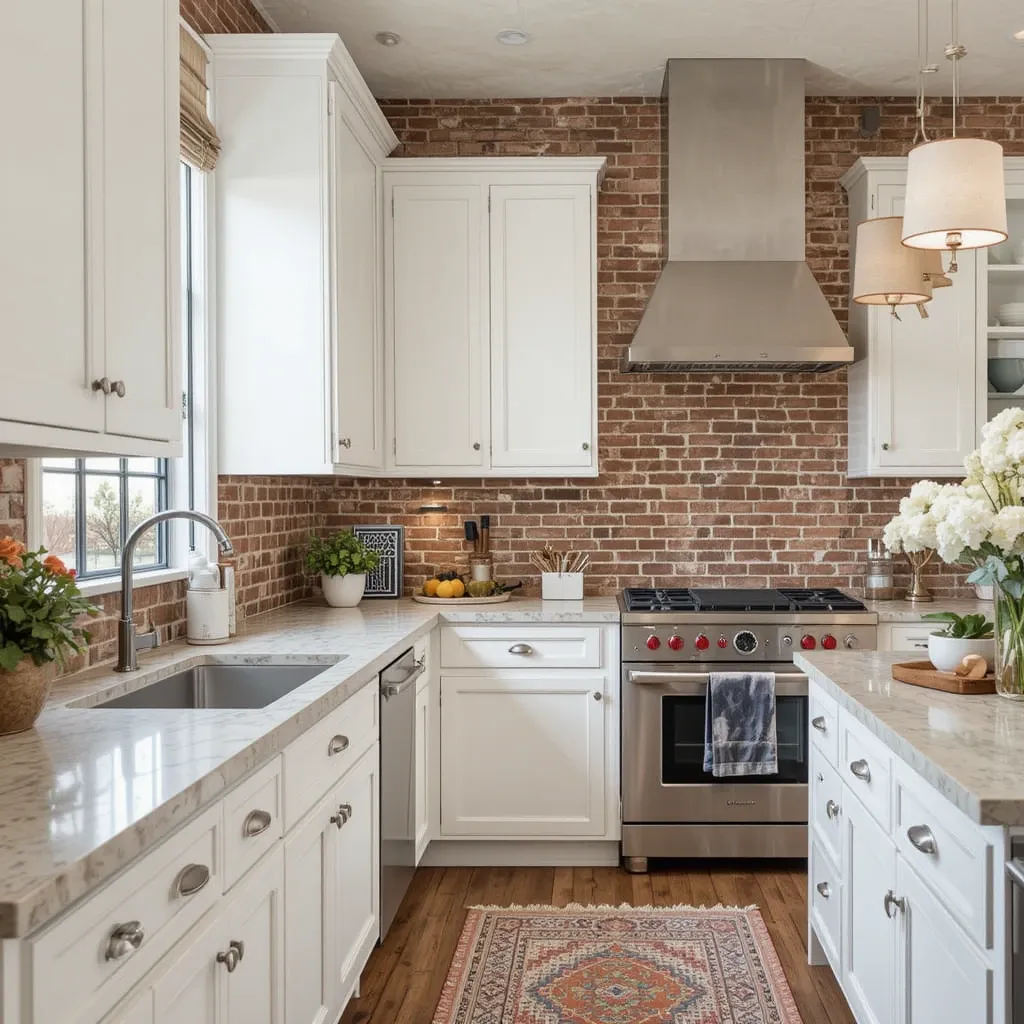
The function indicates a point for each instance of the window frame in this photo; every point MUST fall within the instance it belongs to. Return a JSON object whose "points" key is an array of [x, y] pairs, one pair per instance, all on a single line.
{"points": [[199, 357]]}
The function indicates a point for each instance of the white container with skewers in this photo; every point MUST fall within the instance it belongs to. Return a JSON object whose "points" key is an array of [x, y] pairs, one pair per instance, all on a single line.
{"points": [[561, 574]]}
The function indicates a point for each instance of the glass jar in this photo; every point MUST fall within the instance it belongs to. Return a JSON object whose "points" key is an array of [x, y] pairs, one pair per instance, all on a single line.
{"points": [[879, 576], [1008, 615]]}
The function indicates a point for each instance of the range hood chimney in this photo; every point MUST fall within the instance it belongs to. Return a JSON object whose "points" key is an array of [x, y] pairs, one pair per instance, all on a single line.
{"points": [[736, 293]]}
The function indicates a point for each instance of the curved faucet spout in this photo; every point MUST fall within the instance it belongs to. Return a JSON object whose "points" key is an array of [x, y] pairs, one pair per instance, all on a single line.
{"points": [[126, 645]]}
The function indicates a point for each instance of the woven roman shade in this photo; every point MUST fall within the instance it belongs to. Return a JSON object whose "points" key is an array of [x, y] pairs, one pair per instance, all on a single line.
{"points": [[199, 143]]}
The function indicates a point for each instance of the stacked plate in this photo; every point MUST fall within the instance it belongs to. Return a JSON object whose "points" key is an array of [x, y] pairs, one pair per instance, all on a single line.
{"points": [[1011, 314]]}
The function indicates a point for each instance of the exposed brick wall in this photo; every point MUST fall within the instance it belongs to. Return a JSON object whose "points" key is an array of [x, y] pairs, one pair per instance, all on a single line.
{"points": [[209, 16], [729, 478]]}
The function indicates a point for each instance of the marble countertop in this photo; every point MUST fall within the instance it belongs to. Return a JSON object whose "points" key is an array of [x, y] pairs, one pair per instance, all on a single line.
{"points": [[904, 611], [88, 790], [971, 749]]}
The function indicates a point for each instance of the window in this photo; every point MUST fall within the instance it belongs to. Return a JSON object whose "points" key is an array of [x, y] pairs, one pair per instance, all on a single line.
{"points": [[87, 507]]}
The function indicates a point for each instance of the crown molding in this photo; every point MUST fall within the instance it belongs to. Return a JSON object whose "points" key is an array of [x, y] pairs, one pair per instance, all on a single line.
{"points": [[579, 166]]}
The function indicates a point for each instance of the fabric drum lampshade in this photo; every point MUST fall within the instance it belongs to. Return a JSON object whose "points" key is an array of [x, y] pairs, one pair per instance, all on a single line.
{"points": [[956, 196], [886, 272]]}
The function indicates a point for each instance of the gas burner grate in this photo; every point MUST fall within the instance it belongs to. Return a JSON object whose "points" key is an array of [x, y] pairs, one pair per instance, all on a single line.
{"points": [[826, 599], [669, 599]]}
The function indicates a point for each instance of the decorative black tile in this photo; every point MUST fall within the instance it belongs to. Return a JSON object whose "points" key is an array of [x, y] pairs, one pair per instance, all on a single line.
{"points": [[389, 543]]}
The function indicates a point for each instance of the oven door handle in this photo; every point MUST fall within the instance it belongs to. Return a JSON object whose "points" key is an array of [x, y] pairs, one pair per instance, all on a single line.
{"points": [[787, 684]]}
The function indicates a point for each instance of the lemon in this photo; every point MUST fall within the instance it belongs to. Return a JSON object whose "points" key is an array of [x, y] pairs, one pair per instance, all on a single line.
{"points": [[430, 587], [458, 588], [444, 589]]}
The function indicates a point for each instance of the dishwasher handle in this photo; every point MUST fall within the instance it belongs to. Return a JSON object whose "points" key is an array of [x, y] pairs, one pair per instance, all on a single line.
{"points": [[1015, 871], [396, 687]]}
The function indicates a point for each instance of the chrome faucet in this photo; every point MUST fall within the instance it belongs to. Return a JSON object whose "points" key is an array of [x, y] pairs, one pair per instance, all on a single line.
{"points": [[128, 642]]}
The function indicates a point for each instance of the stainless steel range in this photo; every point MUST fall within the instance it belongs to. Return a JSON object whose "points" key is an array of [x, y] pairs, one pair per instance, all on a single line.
{"points": [[672, 639]]}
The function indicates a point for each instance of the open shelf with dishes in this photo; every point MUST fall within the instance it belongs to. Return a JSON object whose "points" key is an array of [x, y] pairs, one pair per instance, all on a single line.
{"points": [[1004, 310]]}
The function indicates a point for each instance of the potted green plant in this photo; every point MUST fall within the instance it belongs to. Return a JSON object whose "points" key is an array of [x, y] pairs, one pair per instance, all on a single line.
{"points": [[962, 635], [40, 608], [342, 561]]}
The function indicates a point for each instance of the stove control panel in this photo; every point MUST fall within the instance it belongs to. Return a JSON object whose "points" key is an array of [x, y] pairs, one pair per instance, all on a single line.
{"points": [[724, 641]]}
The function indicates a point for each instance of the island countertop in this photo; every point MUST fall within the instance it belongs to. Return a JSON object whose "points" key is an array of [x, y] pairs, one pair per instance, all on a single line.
{"points": [[88, 790], [971, 749]]}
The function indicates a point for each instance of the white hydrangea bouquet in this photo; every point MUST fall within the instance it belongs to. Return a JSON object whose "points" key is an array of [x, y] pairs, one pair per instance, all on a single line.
{"points": [[980, 522]]}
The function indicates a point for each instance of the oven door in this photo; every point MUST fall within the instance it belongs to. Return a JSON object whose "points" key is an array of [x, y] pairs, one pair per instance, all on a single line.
{"points": [[663, 777]]}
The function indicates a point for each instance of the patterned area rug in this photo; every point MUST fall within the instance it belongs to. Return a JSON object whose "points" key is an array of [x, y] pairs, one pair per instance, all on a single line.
{"points": [[608, 965]]}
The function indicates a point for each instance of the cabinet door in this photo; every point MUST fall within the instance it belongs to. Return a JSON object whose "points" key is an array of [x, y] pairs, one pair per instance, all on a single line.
{"points": [[255, 989], [542, 324], [138, 1011], [356, 870], [944, 977], [523, 754], [191, 991], [423, 781], [358, 363], [309, 917], [438, 324], [925, 388], [48, 348], [141, 253], [868, 945]]}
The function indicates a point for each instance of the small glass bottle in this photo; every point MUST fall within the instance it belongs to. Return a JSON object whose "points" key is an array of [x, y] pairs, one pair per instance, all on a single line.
{"points": [[879, 579]]}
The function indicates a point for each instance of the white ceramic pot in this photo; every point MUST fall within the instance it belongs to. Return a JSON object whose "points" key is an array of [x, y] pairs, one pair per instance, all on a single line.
{"points": [[343, 591], [946, 652]]}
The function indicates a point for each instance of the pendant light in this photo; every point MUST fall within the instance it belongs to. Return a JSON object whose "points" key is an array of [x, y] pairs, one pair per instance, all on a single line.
{"points": [[956, 197], [888, 273]]}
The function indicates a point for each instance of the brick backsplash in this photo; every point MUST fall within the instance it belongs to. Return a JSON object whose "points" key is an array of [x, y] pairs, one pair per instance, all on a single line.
{"points": [[727, 478]]}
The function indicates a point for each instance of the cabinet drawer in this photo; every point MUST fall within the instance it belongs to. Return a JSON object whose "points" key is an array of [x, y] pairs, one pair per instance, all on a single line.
{"points": [[823, 713], [827, 807], [826, 903], [521, 647], [865, 765], [950, 853], [910, 638], [71, 975], [319, 757], [252, 821]]}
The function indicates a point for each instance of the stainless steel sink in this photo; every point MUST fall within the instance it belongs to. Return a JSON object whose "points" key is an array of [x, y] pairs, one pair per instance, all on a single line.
{"points": [[219, 686]]}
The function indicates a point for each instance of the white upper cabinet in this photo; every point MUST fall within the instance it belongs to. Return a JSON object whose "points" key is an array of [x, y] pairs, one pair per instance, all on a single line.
{"points": [[438, 325], [490, 319], [916, 392], [298, 256], [542, 326], [89, 276]]}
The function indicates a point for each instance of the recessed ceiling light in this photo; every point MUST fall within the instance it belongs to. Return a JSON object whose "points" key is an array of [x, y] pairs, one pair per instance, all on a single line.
{"points": [[1019, 35], [513, 36], [388, 38]]}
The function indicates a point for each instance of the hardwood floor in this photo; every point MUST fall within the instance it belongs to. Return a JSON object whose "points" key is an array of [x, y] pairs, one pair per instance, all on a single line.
{"points": [[403, 980]]}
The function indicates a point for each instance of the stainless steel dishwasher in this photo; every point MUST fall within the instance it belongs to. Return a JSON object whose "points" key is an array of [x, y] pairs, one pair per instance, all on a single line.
{"points": [[1015, 872], [397, 779]]}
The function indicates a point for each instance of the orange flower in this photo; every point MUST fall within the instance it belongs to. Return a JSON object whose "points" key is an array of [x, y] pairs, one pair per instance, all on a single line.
{"points": [[11, 552], [56, 566]]}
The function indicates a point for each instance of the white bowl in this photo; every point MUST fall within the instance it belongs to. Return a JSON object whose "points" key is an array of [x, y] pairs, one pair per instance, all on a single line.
{"points": [[946, 652], [1011, 314], [1006, 375]]}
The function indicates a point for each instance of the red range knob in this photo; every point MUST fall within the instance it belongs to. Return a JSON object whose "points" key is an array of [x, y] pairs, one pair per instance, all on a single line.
{"points": [[828, 641], [722, 642], [675, 642], [808, 643], [653, 643], [702, 642]]}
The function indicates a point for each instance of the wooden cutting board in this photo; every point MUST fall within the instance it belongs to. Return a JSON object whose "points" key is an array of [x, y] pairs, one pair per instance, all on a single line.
{"points": [[924, 673]]}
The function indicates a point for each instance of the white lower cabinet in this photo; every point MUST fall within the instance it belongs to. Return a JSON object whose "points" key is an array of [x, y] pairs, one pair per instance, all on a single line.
{"points": [[906, 912], [423, 774], [869, 939], [523, 754], [946, 978]]}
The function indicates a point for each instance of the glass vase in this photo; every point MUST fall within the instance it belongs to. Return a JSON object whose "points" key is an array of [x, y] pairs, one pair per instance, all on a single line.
{"points": [[1009, 636]]}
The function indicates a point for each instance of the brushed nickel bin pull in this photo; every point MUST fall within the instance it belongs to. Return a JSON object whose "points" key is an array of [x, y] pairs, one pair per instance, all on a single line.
{"points": [[523, 649], [337, 745], [191, 879], [824, 889], [861, 770], [819, 723], [923, 838], [124, 939], [256, 823]]}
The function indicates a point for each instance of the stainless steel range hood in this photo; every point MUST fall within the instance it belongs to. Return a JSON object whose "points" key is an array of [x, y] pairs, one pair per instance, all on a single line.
{"points": [[736, 293]]}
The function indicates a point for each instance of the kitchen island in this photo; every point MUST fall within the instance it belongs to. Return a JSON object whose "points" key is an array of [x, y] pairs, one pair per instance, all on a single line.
{"points": [[915, 796]]}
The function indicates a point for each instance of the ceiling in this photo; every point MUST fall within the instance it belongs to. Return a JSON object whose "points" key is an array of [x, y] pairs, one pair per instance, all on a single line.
{"points": [[619, 47]]}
